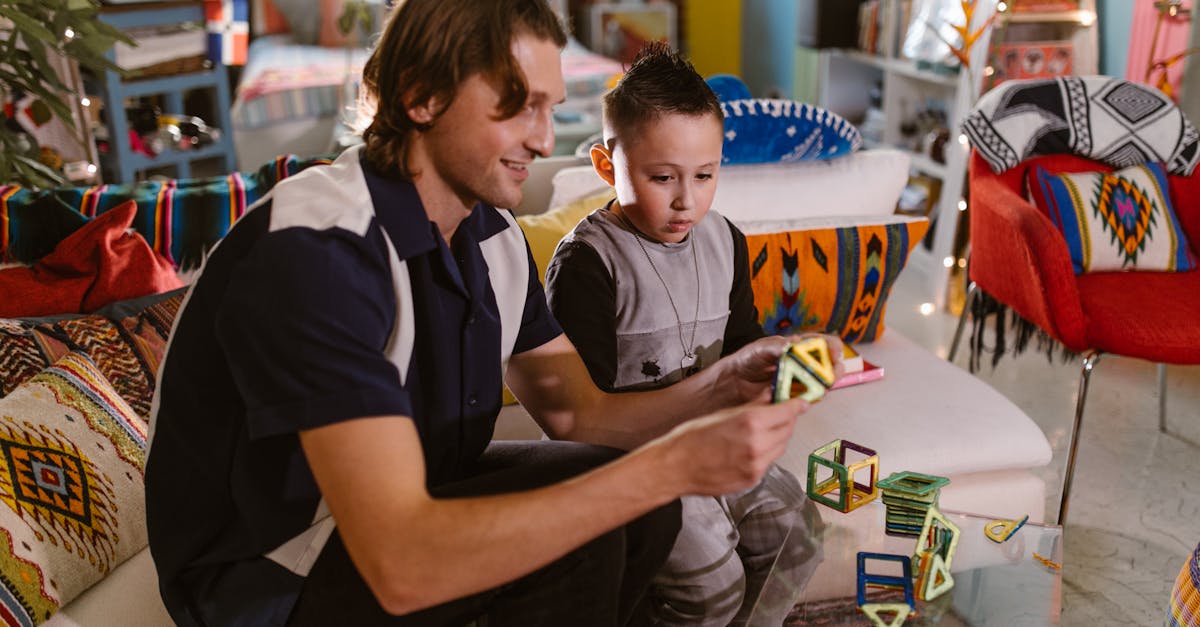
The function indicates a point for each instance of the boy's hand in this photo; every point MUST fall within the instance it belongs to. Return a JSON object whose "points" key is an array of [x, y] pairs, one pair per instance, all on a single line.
{"points": [[747, 375], [730, 450]]}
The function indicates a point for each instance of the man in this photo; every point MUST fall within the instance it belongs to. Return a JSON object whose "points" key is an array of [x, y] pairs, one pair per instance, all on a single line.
{"points": [[332, 383]]}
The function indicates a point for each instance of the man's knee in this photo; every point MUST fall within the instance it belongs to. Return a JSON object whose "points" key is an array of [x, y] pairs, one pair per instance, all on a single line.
{"points": [[711, 598]]}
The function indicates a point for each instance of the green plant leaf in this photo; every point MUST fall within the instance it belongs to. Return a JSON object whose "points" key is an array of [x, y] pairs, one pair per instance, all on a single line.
{"points": [[39, 112], [29, 25], [37, 167]]}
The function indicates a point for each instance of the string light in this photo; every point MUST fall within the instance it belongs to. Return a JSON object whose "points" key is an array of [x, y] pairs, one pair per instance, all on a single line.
{"points": [[927, 309], [85, 101], [962, 139], [1001, 7], [962, 205], [989, 70], [91, 168], [962, 263], [69, 34], [948, 262]]}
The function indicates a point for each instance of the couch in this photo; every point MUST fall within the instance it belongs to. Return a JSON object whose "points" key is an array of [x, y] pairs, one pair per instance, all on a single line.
{"points": [[925, 415]]}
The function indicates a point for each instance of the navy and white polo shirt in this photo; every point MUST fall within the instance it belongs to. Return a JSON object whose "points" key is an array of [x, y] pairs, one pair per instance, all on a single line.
{"points": [[335, 298]]}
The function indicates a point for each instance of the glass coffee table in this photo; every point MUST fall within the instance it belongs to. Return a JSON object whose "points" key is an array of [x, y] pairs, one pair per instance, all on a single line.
{"points": [[1000, 585]]}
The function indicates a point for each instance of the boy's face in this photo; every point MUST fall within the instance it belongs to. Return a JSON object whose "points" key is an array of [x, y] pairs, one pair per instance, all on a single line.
{"points": [[665, 173], [480, 157]]}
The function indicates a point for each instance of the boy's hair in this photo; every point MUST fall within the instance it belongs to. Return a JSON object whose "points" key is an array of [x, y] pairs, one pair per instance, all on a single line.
{"points": [[428, 48], [660, 81]]}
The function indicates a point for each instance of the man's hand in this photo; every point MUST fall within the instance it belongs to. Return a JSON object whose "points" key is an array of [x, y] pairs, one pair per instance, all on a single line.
{"points": [[730, 450], [746, 376]]}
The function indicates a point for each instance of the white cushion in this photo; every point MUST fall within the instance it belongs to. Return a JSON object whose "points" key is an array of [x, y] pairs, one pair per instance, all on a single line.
{"points": [[867, 182], [926, 415]]}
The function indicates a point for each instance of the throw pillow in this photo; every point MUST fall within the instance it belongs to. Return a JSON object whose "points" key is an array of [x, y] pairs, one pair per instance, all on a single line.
{"points": [[125, 340], [543, 231], [830, 275], [98, 264], [71, 478], [1119, 220], [767, 130]]}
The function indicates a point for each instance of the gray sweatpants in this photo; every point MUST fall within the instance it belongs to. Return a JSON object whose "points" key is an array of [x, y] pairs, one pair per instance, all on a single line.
{"points": [[740, 559]]}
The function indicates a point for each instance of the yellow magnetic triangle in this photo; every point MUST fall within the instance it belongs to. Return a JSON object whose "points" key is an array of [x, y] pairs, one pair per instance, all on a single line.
{"points": [[1002, 529], [790, 370], [872, 611], [938, 580], [813, 354], [930, 540]]}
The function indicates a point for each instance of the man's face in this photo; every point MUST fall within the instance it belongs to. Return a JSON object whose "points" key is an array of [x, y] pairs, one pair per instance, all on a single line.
{"points": [[665, 173], [483, 158]]}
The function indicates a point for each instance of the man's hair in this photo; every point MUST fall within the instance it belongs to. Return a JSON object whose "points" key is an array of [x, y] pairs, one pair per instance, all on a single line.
{"points": [[428, 48], [659, 82]]}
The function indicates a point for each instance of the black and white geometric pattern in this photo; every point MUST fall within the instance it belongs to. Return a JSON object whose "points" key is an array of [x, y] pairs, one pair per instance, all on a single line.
{"points": [[1110, 120]]}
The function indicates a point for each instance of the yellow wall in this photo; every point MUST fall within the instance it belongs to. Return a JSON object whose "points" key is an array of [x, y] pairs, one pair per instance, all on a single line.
{"points": [[712, 32]]}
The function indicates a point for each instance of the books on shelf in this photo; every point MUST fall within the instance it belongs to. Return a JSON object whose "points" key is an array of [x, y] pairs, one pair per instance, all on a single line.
{"points": [[857, 370]]}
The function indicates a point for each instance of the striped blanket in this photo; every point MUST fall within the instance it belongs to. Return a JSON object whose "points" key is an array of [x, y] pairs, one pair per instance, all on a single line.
{"points": [[180, 219], [1185, 598]]}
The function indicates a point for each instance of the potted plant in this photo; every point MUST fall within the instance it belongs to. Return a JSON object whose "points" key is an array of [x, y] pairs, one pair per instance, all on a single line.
{"points": [[37, 35]]}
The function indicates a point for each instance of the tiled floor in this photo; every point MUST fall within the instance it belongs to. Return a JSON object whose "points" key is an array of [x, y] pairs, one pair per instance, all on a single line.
{"points": [[1135, 507]]}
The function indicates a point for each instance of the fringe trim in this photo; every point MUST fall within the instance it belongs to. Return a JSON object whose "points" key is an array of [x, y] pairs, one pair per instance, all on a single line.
{"points": [[1008, 323]]}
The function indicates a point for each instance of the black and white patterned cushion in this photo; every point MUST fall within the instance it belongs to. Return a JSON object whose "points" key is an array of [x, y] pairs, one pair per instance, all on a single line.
{"points": [[1110, 120]]}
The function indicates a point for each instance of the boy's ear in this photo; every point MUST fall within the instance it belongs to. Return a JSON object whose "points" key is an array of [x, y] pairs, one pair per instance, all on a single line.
{"points": [[602, 163], [423, 113]]}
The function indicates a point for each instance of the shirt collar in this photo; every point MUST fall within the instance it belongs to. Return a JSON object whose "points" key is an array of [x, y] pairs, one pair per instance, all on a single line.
{"points": [[400, 211]]}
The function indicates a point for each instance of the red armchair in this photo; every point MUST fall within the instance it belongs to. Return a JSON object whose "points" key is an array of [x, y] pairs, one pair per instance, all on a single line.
{"points": [[1019, 258]]}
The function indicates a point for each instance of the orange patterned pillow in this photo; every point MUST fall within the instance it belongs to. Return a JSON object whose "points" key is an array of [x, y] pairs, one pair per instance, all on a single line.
{"points": [[828, 275]]}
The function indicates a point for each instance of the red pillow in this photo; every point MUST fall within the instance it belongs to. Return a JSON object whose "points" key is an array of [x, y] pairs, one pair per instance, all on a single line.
{"points": [[101, 263]]}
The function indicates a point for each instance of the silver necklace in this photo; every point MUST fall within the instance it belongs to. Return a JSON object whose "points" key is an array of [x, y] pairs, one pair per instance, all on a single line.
{"points": [[689, 351]]}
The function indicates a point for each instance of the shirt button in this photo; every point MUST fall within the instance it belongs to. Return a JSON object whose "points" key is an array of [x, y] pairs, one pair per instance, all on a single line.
{"points": [[471, 319], [472, 400]]}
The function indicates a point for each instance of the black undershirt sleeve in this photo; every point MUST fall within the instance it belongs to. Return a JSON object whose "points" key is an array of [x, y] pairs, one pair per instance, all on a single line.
{"points": [[743, 326], [582, 298]]}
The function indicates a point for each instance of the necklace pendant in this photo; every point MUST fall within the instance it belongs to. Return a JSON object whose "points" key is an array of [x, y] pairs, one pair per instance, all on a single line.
{"points": [[687, 363]]}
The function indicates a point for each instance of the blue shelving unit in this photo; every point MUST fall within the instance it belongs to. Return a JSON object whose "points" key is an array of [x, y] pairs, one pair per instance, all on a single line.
{"points": [[124, 162]]}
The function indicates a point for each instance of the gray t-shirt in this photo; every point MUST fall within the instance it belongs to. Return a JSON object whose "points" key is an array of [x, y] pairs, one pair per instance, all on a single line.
{"points": [[611, 297]]}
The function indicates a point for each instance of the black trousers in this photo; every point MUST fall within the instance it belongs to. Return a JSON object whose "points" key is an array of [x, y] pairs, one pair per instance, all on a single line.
{"points": [[601, 583]]}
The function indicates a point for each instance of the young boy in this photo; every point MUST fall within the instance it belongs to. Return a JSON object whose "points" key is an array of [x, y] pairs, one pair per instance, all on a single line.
{"points": [[651, 291]]}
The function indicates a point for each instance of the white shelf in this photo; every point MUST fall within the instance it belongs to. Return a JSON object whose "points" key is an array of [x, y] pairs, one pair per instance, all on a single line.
{"points": [[925, 164], [1082, 17], [904, 67]]}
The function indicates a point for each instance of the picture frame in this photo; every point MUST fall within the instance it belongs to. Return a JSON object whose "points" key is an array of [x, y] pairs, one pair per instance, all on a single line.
{"points": [[618, 30]]}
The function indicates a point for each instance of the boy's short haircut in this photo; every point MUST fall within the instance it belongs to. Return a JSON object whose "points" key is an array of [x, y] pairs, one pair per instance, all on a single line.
{"points": [[660, 81], [428, 48]]}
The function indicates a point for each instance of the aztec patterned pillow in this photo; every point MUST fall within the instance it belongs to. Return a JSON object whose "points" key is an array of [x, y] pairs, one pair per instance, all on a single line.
{"points": [[1119, 220], [180, 218], [828, 275], [126, 348], [765, 130], [1110, 120], [72, 485]]}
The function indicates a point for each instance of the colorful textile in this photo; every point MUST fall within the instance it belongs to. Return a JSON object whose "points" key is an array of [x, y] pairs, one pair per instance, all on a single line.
{"points": [[285, 81], [1112, 121], [181, 219], [1185, 596], [71, 476], [1120, 220], [125, 340], [834, 279], [99, 264], [766, 131]]}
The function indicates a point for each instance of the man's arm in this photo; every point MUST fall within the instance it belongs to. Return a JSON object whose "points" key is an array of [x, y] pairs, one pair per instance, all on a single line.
{"points": [[553, 385], [415, 551]]}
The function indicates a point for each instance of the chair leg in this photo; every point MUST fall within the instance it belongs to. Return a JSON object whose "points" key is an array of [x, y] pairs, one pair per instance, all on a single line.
{"points": [[1085, 375], [968, 302], [1162, 398]]}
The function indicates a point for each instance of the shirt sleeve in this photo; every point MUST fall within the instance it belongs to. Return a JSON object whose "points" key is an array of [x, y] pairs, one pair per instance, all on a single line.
{"points": [[303, 325], [537, 325], [583, 299], [743, 326]]}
